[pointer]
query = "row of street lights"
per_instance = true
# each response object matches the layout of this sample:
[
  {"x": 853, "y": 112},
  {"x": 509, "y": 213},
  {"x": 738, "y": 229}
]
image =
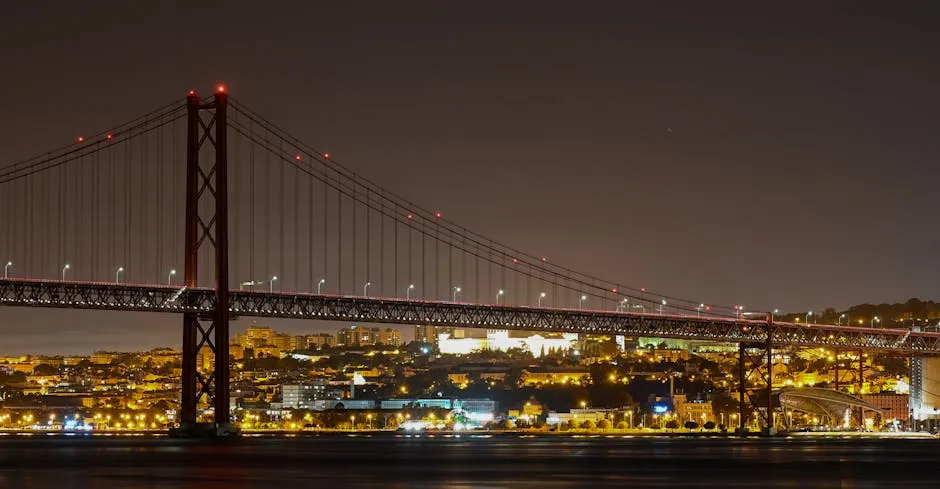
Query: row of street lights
[
  {"x": 622, "y": 306},
  {"x": 365, "y": 288}
]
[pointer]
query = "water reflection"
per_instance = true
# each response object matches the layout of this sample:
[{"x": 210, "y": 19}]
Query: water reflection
[{"x": 415, "y": 461}]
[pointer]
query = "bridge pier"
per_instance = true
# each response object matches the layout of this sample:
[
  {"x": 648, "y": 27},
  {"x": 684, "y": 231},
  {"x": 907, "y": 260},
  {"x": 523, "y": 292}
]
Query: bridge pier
[
  {"x": 206, "y": 227},
  {"x": 761, "y": 364}
]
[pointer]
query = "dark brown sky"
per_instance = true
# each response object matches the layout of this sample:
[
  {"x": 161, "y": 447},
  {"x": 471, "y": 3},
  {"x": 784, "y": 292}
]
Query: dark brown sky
[{"x": 775, "y": 158}]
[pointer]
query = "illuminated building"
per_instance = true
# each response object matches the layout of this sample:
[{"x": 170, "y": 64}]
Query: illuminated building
[
  {"x": 547, "y": 375},
  {"x": 301, "y": 396},
  {"x": 579, "y": 416},
  {"x": 102, "y": 357},
  {"x": 281, "y": 341},
  {"x": 694, "y": 410},
  {"x": 501, "y": 340},
  {"x": 430, "y": 334},
  {"x": 320, "y": 340},
  {"x": 359, "y": 336},
  {"x": 354, "y": 336},
  {"x": 389, "y": 336},
  {"x": 925, "y": 389},
  {"x": 895, "y": 406},
  {"x": 205, "y": 359}
]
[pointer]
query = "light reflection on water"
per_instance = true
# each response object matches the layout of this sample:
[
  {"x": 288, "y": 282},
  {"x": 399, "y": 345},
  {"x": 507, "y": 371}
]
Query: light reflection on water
[{"x": 477, "y": 461}]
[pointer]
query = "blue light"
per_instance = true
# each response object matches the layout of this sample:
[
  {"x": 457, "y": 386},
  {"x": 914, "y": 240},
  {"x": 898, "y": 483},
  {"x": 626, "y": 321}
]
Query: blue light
[{"x": 659, "y": 409}]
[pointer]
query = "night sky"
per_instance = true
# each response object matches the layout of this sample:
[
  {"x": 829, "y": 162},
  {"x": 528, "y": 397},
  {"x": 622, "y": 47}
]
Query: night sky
[{"x": 735, "y": 154}]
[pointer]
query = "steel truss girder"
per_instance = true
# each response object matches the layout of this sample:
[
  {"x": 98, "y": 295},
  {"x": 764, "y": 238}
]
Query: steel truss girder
[{"x": 156, "y": 298}]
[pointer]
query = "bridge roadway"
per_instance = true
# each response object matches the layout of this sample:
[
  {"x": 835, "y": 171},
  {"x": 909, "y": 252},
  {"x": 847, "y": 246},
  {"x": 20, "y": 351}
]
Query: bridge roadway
[{"x": 170, "y": 299}]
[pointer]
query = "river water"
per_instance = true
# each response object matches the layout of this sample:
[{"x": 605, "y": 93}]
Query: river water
[{"x": 505, "y": 461}]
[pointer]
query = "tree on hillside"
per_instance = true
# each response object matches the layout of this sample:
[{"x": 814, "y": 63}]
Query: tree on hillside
[{"x": 45, "y": 369}]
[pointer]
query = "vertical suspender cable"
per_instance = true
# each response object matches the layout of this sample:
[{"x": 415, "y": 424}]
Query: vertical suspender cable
[
  {"x": 476, "y": 279},
  {"x": 296, "y": 265},
  {"x": 326, "y": 259},
  {"x": 463, "y": 263},
  {"x": 235, "y": 191},
  {"x": 161, "y": 164},
  {"x": 382, "y": 251},
  {"x": 112, "y": 209},
  {"x": 29, "y": 228},
  {"x": 281, "y": 192},
  {"x": 424, "y": 275},
  {"x": 265, "y": 215},
  {"x": 395, "y": 257},
  {"x": 368, "y": 237},
  {"x": 126, "y": 165},
  {"x": 144, "y": 207},
  {"x": 175, "y": 165},
  {"x": 339, "y": 241},
  {"x": 410, "y": 233},
  {"x": 251, "y": 207},
  {"x": 355, "y": 283},
  {"x": 95, "y": 212},
  {"x": 310, "y": 232},
  {"x": 450, "y": 264}
]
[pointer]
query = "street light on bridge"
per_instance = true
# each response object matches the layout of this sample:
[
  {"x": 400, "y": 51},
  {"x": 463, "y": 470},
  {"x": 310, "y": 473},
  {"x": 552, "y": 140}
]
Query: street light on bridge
[
  {"x": 6, "y": 270},
  {"x": 365, "y": 289},
  {"x": 581, "y": 301},
  {"x": 117, "y": 275},
  {"x": 271, "y": 283},
  {"x": 622, "y": 307},
  {"x": 874, "y": 320},
  {"x": 320, "y": 284},
  {"x": 65, "y": 269},
  {"x": 839, "y": 322},
  {"x": 808, "y": 314},
  {"x": 499, "y": 294},
  {"x": 541, "y": 296},
  {"x": 456, "y": 291},
  {"x": 408, "y": 291},
  {"x": 662, "y": 307},
  {"x": 169, "y": 276},
  {"x": 773, "y": 315}
]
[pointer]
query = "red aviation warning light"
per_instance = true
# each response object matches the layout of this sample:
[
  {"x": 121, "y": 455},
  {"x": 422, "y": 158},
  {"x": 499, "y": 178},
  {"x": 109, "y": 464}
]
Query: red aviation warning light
[
  {"x": 192, "y": 92},
  {"x": 220, "y": 89},
  {"x": 110, "y": 136},
  {"x": 326, "y": 155},
  {"x": 81, "y": 139},
  {"x": 437, "y": 214},
  {"x": 410, "y": 216},
  {"x": 297, "y": 157}
]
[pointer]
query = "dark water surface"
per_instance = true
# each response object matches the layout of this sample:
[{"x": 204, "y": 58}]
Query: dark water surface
[{"x": 388, "y": 461}]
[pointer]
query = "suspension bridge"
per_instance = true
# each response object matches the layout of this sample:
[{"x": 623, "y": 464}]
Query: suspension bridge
[{"x": 262, "y": 224}]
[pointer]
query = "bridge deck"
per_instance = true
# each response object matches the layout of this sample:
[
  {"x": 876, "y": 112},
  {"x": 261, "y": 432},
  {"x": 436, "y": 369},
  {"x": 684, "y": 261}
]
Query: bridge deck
[{"x": 165, "y": 299}]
